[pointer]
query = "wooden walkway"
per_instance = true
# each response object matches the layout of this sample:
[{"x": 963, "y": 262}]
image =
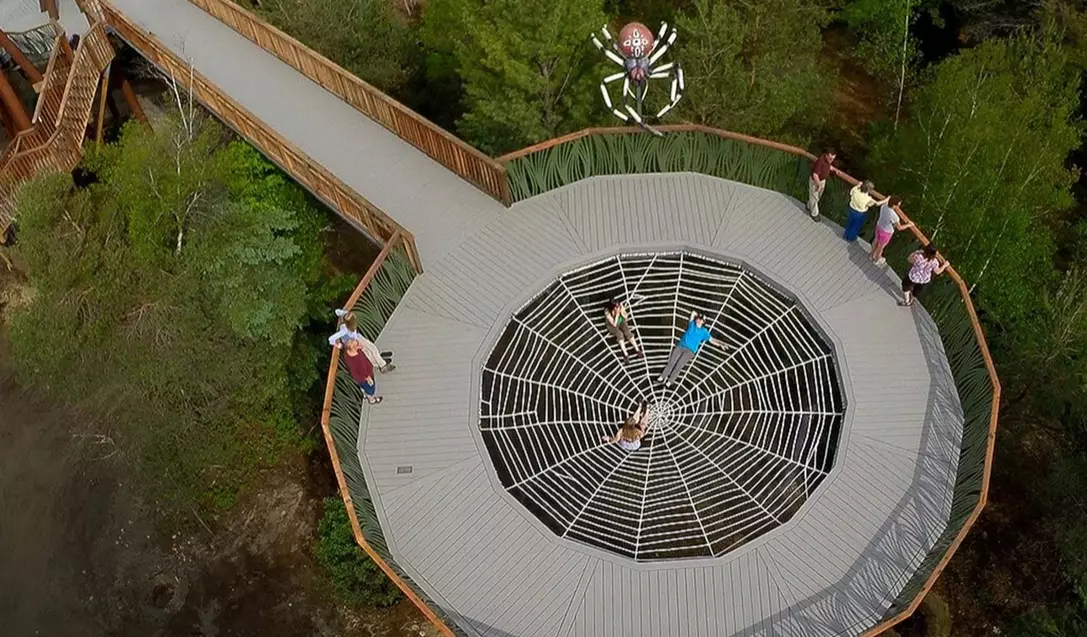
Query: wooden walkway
[
  {"x": 831, "y": 570},
  {"x": 434, "y": 204}
]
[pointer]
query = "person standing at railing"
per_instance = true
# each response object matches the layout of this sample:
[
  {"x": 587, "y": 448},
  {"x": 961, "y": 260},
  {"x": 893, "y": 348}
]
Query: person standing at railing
[
  {"x": 362, "y": 370},
  {"x": 348, "y": 331},
  {"x": 888, "y": 222},
  {"x": 923, "y": 264},
  {"x": 817, "y": 180},
  {"x": 860, "y": 200}
]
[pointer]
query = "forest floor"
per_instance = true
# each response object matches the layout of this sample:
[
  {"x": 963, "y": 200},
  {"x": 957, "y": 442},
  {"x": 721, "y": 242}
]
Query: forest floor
[{"x": 83, "y": 552}]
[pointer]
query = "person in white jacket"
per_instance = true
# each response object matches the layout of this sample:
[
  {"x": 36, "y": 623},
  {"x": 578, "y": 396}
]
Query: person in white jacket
[{"x": 349, "y": 332}]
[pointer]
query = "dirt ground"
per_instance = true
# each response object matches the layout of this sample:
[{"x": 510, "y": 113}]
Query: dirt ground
[{"x": 81, "y": 553}]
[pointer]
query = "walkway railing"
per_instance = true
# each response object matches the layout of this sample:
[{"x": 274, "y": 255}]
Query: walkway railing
[
  {"x": 373, "y": 302},
  {"x": 55, "y": 142},
  {"x": 784, "y": 168},
  {"x": 293, "y": 161},
  {"x": 445, "y": 148}
]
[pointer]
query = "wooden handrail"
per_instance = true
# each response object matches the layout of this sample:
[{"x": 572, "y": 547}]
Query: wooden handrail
[
  {"x": 300, "y": 166},
  {"x": 469, "y": 163},
  {"x": 964, "y": 292},
  {"x": 341, "y": 480}
]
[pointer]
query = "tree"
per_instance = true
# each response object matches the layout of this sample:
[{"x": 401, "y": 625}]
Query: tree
[
  {"x": 354, "y": 575},
  {"x": 366, "y": 37},
  {"x": 753, "y": 66},
  {"x": 982, "y": 163},
  {"x": 189, "y": 349},
  {"x": 885, "y": 45},
  {"x": 527, "y": 68}
]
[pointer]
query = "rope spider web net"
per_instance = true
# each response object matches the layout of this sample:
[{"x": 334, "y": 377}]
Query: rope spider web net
[{"x": 734, "y": 448}]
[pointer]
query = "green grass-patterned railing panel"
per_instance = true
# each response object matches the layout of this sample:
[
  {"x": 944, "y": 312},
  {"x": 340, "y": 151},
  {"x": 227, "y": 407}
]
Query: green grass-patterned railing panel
[
  {"x": 624, "y": 153},
  {"x": 947, "y": 308},
  {"x": 373, "y": 309}
]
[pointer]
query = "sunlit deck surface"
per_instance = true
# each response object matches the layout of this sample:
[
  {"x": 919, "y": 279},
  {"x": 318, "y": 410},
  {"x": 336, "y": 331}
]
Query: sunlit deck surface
[{"x": 855, "y": 535}]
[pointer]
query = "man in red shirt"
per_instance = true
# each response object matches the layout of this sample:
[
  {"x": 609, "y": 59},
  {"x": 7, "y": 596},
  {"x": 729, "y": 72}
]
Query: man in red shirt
[
  {"x": 362, "y": 370},
  {"x": 817, "y": 182}
]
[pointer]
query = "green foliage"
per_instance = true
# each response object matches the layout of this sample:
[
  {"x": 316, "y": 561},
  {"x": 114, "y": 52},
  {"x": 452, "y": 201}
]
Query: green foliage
[
  {"x": 189, "y": 351},
  {"x": 162, "y": 183},
  {"x": 631, "y": 153},
  {"x": 882, "y": 29},
  {"x": 981, "y": 163},
  {"x": 366, "y": 37},
  {"x": 1061, "y": 622},
  {"x": 1048, "y": 367},
  {"x": 355, "y": 576},
  {"x": 753, "y": 67},
  {"x": 528, "y": 70}
]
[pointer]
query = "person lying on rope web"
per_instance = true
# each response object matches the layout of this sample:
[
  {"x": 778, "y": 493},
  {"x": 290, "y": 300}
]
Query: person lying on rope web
[
  {"x": 697, "y": 333},
  {"x": 633, "y": 430},
  {"x": 618, "y": 324}
]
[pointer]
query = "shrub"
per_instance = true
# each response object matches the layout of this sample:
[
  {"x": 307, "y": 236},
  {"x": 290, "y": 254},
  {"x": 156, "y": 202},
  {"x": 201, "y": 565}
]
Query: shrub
[{"x": 355, "y": 576}]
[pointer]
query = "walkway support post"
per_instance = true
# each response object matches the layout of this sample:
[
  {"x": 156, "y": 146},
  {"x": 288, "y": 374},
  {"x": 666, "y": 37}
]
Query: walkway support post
[
  {"x": 130, "y": 99},
  {"x": 104, "y": 90},
  {"x": 50, "y": 7},
  {"x": 29, "y": 70},
  {"x": 13, "y": 104}
]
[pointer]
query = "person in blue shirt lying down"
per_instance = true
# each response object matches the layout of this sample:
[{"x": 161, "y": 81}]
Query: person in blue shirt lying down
[{"x": 697, "y": 333}]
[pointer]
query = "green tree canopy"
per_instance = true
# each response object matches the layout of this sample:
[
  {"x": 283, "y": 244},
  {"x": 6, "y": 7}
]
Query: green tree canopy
[
  {"x": 528, "y": 69},
  {"x": 366, "y": 37},
  {"x": 753, "y": 66},
  {"x": 982, "y": 163},
  {"x": 189, "y": 349}
]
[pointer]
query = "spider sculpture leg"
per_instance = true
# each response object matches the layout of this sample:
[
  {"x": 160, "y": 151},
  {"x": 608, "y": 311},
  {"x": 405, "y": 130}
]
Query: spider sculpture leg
[
  {"x": 609, "y": 49},
  {"x": 659, "y": 51},
  {"x": 675, "y": 72},
  {"x": 607, "y": 96}
]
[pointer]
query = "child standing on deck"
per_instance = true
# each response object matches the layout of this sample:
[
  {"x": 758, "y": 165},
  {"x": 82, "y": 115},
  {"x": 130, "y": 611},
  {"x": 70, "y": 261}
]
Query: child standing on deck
[
  {"x": 361, "y": 370},
  {"x": 888, "y": 222},
  {"x": 923, "y": 264}
]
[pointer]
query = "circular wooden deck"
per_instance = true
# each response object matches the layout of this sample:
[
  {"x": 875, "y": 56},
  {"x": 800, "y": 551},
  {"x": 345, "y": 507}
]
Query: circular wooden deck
[{"x": 833, "y": 568}]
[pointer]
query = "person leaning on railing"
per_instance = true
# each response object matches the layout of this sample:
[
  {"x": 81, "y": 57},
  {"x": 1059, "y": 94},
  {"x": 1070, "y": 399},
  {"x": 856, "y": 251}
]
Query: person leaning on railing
[
  {"x": 817, "y": 180},
  {"x": 923, "y": 264},
  {"x": 889, "y": 221},
  {"x": 860, "y": 200}
]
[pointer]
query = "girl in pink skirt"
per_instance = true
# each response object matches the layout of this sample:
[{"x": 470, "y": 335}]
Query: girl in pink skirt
[{"x": 888, "y": 222}]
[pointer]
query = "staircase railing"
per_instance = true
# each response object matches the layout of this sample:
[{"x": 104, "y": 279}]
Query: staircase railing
[
  {"x": 55, "y": 142},
  {"x": 472, "y": 165}
]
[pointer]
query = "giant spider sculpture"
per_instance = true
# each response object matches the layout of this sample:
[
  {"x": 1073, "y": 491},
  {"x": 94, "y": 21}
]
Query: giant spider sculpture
[{"x": 637, "y": 51}]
